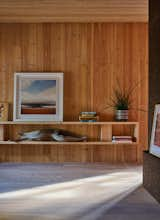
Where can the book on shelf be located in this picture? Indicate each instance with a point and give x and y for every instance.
(91, 120)
(122, 141)
(89, 113)
(88, 117)
(122, 136)
(126, 139)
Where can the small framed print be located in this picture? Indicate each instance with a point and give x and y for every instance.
(155, 137)
(3, 111)
(38, 97)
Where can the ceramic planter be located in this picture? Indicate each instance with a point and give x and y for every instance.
(121, 115)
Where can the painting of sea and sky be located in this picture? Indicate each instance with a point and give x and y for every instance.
(38, 96)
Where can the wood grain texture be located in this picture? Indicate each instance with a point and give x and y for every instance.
(106, 133)
(73, 11)
(91, 56)
(68, 123)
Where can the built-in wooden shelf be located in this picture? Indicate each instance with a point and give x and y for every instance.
(105, 130)
(66, 143)
(67, 123)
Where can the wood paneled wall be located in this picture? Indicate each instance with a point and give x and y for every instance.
(91, 56)
(73, 10)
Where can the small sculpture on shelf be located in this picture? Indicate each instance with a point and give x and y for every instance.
(51, 135)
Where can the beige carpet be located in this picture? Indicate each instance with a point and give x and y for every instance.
(73, 192)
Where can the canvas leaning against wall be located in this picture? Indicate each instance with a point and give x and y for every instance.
(155, 138)
(38, 97)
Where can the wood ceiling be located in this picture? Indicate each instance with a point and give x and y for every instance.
(73, 11)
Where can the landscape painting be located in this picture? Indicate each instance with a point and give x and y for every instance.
(38, 96)
(157, 131)
(155, 137)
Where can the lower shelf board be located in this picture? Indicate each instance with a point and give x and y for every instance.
(65, 143)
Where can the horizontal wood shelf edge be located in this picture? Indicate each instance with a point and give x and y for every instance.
(66, 143)
(66, 123)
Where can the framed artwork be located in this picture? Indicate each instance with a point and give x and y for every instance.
(3, 111)
(38, 97)
(155, 137)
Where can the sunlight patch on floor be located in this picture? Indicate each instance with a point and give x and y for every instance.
(72, 198)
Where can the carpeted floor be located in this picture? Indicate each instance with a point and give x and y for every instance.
(74, 192)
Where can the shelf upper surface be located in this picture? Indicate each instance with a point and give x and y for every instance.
(67, 143)
(67, 123)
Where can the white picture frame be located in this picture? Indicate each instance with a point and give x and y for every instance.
(38, 96)
(155, 135)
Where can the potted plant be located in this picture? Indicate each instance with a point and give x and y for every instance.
(121, 101)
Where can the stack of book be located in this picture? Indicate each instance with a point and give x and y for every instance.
(88, 117)
(123, 139)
